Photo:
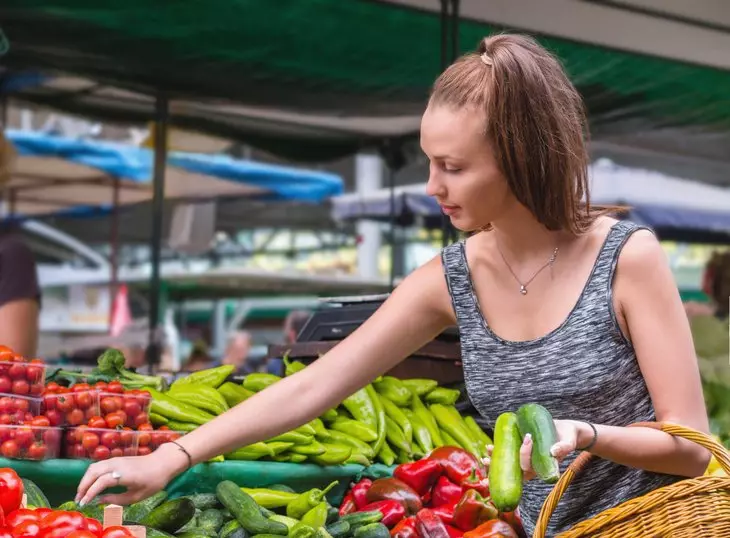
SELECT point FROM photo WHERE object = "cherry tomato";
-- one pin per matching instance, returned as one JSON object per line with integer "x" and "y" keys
{"x": 7, "y": 405}
{"x": 115, "y": 420}
{"x": 63, "y": 390}
{"x": 36, "y": 390}
{"x": 9, "y": 449}
{"x": 91, "y": 413}
{"x": 146, "y": 427}
{"x": 6, "y": 419}
{"x": 110, "y": 439}
{"x": 5, "y": 384}
{"x": 144, "y": 438}
{"x": 52, "y": 386}
{"x": 126, "y": 437}
{"x": 116, "y": 387}
{"x": 17, "y": 371}
{"x": 84, "y": 400}
{"x": 34, "y": 374}
{"x": 64, "y": 403}
{"x": 90, "y": 441}
{"x": 77, "y": 452}
{"x": 81, "y": 387}
{"x": 41, "y": 422}
{"x": 109, "y": 404}
{"x": 97, "y": 422}
{"x": 130, "y": 451}
{"x": 100, "y": 386}
{"x": 144, "y": 451}
{"x": 24, "y": 436}
{"x": 21, "y": 387}
{"x": 75, "y": 417}
{"x": 49, "y": 401}
{"x": 21, "y": 405}
{"x": 132, "y": 407}
{"x": 100, "y": 453}
{"x": 157, "y": 439}
{"x": 116, "y": 532}
{"x": 52, "y": 438}
{"x": 21, "y": 515}
{"x": 37, "y": 451}
{"x": 94, "y": 526}
{"x": 117, "y": 453}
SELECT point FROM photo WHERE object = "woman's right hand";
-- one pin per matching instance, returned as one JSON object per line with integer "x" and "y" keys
{"x": 143, "y": 476}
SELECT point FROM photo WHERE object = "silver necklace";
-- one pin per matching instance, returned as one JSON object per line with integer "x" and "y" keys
{"x": 523, "y": 285}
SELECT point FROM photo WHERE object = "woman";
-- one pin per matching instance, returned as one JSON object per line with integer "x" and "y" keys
{"x": 556, "y": 303}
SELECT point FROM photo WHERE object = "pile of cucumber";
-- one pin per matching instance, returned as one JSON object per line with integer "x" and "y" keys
{"x": 230, "y": 512}
{"x": 505, "y": 472}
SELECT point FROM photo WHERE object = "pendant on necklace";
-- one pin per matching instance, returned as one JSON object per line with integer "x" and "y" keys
{"x": 523, "y": 290}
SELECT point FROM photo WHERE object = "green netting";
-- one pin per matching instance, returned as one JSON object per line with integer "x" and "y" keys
{"x": 337, "y": 58}
{"x": 58, "y": 478}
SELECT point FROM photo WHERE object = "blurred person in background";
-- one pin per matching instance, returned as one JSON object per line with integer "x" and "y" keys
{"x": 238, "y": 351}
{"x": 199, "y": 358}
{"x": 292, "y": 326}
{"x": 716, "y": 283}
{"x": 19, "y": 290}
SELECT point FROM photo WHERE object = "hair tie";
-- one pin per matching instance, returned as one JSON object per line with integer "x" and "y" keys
{"x": 486, "y": 59}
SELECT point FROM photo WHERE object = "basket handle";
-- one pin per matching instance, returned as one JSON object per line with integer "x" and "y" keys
{"x": 720, "y": 452}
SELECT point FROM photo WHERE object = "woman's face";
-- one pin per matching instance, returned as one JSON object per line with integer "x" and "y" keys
{"x": 464, "y": 177}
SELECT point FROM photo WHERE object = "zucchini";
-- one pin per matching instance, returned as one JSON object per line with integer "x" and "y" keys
{"x": 137, "y": 511}
{"x": 154, "y": 533}
{"x": 204, "y": 501}
{"x": 340, "y": 529}
{"x": 232, "y": 529}
{"x": 246, "y": 511}
{"x": 266, "y": 512}
{"x": 538, "y": 422}
{"x": 211, "y": 520}
{"x": 34, "y": 495}
{"x": 170, "y": 516}
{"x": 374, "y": 530}
{"x": 358, "y": 519}
{"x": 333, "y": 514}
{"x": 505, "y": 473}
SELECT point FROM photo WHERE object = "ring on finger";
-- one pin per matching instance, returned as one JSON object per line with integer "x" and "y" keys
{"x": 116, "y": 476}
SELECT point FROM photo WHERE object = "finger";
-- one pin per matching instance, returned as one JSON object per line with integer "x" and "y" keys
{"x": 490, "y": 449}
{"x": 102, "y": 483}
{"x": 124, "y": 499}
{"x": 561, "y": 449}
{"x": 486, "y": 461}
{"x": 526, "y": 454}
{"x": 92, "y": 474}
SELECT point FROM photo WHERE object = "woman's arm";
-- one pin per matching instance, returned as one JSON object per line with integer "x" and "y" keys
{"x": 417, "y": 311}
{"x": 659, "y": 330}
{"x": 19, "y": 295}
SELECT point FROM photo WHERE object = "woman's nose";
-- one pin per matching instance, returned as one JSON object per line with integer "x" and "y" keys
{"x": 434, "y": 186}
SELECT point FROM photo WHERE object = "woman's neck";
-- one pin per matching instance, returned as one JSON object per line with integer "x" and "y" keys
{"x": 521, "y": 237}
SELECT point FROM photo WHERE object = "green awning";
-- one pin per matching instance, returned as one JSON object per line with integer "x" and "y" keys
{"x": 307, "y": 79}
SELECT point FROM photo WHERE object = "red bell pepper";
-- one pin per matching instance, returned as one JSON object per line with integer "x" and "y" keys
{"x": 473, "y": 510}
{"x": 11, "y": 490}
{"x": 445, "y": 512}
{"x": 515, "y": 521}
{"x": 393, "y": 511}
{"x": 446, "y": 493}
{"x": 496, "y": 528}
{"x": 406, "y": 528}
{"x": 420, "y": 475}
{"x": 429, "y": 525}
{"x": 392, "y": 489}
{"x": 348, "y": 505}
{"x": 454, "y": 532}
{"x": 462, "y": 467}
{"x": 359, "y": 492}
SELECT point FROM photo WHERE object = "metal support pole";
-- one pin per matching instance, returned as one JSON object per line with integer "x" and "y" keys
{"x": 114, "y": 243}
{"x": 158, "y": 200}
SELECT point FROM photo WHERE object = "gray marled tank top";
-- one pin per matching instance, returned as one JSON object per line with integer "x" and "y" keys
{"x": 583, "y": 370}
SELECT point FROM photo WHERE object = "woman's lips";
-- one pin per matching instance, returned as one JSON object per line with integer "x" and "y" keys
{"x": 449, "y": 209}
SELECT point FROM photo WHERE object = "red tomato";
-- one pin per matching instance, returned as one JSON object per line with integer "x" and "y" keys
{"x": 52, "y": 386}
{"x": 81, "y": 387}
{"x": 117, "y": 453}
{"x": 126, "y": 437}
{"x": 144, "y": 438}
{"x": 9, "y": 449}
{"x": 84, "y": 400}
{"x": 34, "y": 374}
{"x": 97, "y": 422}
{"x": 132, "y": 408}
{"x": 6, "y": 419}
{"x": 36, "y": 390}
{"x": 41, "y": 422}
{"x": 17, "y": 371}
{"x": 52, "y": 437}
{"x": 11, "y": 489}
{"x": 141, "y": 420}
{"x": 5, "y": 384}
{"x": 21, "y": 405}
{"x": 64, "y": 403}
{"x": 115, "y": 420}
{"x": 90, "y": 441}
{"x": 75, "y": 417}
{"x": 24, "y": 436}
{"x": 101, "y": 453}
{"x": 108, "y": 404}
{"x": 116, "y": 387}
{"x": 131, "y": 451}
{"x": 27, "y": 529}
{"x": 144, "y": 451}
{"x": 21, "y": 387}
{"x": 7, "y": 405}
{"x": 110, "y": 439}
{"x": 63, "y": 390}
{"x": 100, "y": 386}
{"x": 78, "y": 452}
{"x": 94, "y": 526}
{"x": 146, "y": 427}
{"x": 82, "y": 534}
{"x": 21, "y": 515}
{"x": 54, "y": 417}
{"x": 37, "y": 451}
{"x": 116, "y": 532}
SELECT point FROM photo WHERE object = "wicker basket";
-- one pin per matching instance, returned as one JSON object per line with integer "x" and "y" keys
{"x": 697, "y": 507}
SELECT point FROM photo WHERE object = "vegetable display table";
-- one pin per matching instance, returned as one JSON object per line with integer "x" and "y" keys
{"x": 59, "y": 478}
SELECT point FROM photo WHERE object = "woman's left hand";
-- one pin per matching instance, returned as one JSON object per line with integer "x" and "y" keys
{"x": 568, "y": 439}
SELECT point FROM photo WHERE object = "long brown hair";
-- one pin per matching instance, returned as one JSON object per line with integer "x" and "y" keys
{"x": 535, "y": 122}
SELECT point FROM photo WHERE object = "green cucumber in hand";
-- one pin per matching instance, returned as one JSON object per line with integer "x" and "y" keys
{"x": 538, "y": 422}
{"x": 505, "y": 473}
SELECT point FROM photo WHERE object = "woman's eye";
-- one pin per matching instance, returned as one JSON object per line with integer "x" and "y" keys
{"x": 451, "y": 169}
